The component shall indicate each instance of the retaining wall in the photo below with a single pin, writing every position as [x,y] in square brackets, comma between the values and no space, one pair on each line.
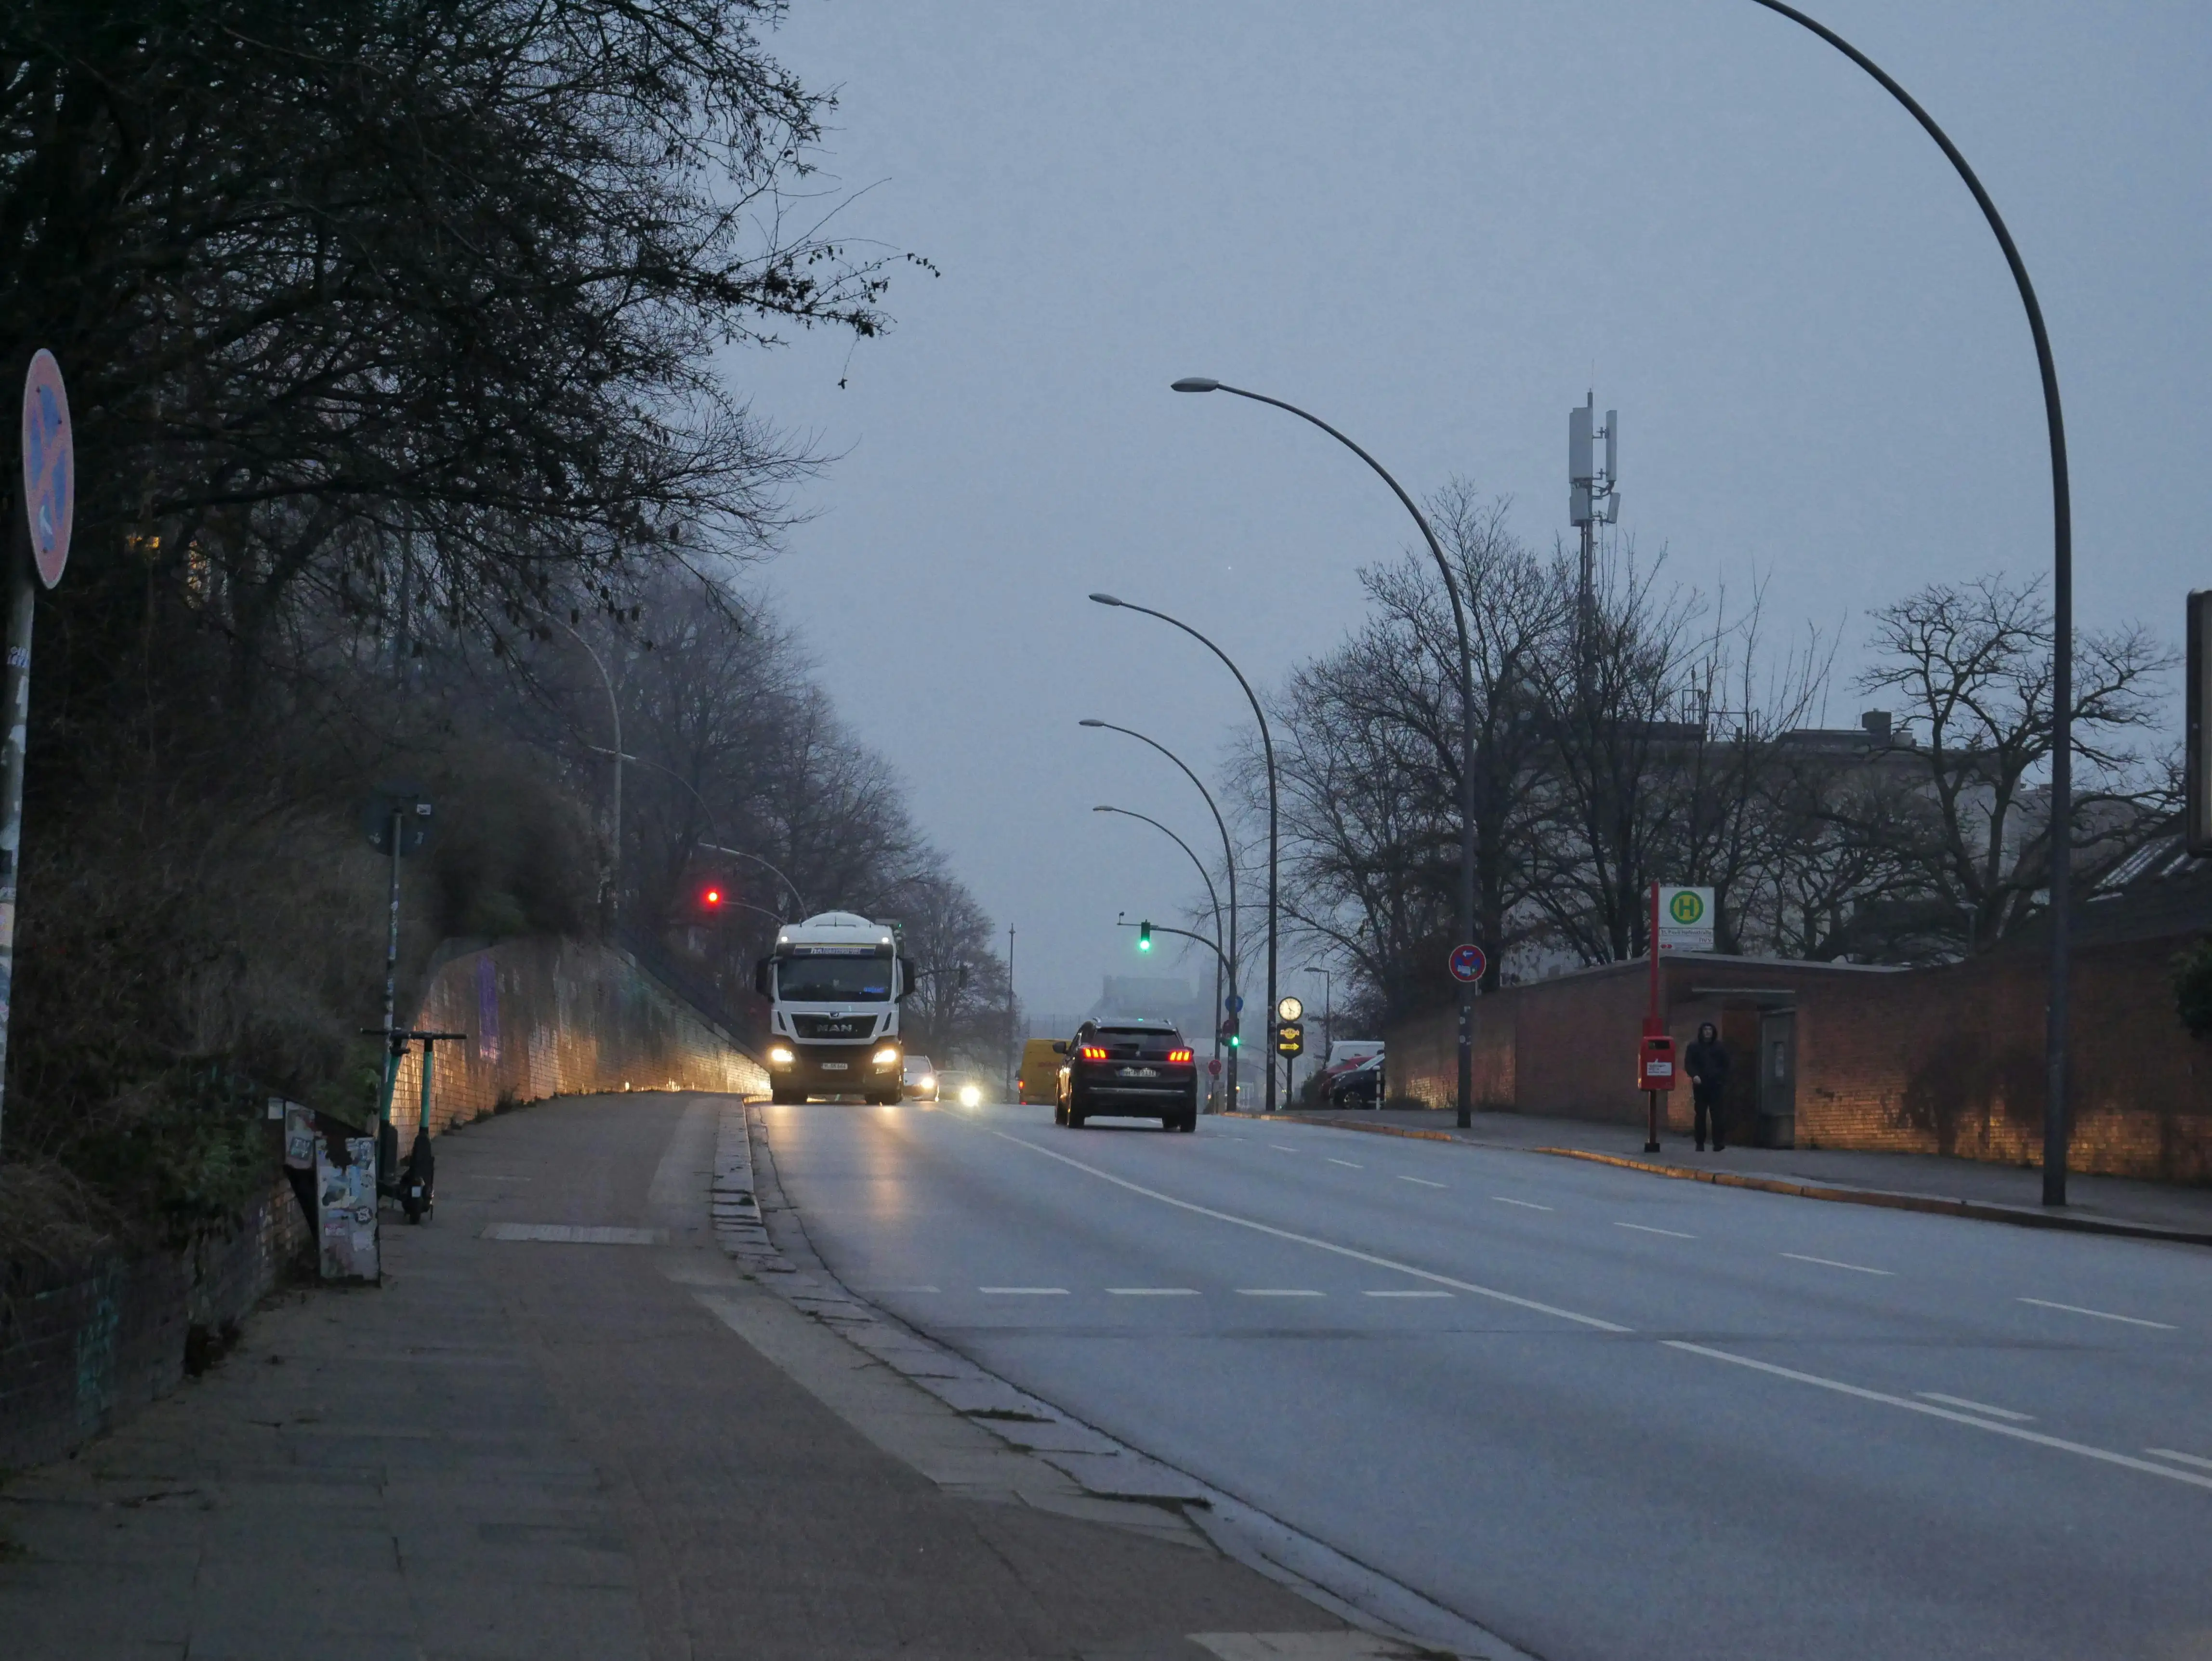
[85,1346]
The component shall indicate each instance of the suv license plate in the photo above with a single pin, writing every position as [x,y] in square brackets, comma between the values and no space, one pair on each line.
[837,1066]
[1140,1073]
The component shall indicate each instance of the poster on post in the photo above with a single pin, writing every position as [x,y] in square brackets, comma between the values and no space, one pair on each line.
[345,1209]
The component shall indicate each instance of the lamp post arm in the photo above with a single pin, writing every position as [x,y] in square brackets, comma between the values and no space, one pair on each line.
[2057,1021]
[1228,848]
[1162,928]
[1211,893]
[739,853]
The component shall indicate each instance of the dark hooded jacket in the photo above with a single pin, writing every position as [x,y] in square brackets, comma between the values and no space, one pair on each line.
[1707,1064]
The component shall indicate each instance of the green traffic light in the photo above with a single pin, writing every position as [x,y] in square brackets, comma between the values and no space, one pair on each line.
[1144,937]
[1236,1041]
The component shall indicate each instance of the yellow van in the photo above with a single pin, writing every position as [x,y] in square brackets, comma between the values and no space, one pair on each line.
[1039,1075]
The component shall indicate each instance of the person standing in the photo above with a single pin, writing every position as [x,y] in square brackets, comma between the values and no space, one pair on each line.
[1707,1064]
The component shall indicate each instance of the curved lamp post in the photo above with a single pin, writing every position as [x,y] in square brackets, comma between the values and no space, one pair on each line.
[2062,618]
[1228,864]
[1267,744]
[614,710]
[1221,959]
[1466,1094]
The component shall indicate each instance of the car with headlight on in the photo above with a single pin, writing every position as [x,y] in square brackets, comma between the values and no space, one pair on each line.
[918,1080]
[965,1088]
[1133,1067]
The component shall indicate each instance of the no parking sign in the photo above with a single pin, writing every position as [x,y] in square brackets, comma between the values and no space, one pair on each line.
[49,465]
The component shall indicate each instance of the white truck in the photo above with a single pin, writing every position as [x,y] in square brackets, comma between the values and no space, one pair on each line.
[834,985]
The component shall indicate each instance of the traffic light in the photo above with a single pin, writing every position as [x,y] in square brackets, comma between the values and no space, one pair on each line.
[1290,1037]
[711,899]
[1144,937]
[1231,1036]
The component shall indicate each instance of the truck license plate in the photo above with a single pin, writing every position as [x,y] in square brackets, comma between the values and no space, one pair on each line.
[837,1066]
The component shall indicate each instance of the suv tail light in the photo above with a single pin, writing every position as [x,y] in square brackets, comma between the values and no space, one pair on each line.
[1179,1055]
[1092,1052]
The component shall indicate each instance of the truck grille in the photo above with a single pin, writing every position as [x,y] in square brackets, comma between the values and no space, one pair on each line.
[832,1026]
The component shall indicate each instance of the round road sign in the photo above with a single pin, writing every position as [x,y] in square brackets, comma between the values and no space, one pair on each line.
[1467,963]
[1213,1067]
[49,467]
[1234,1003]
[1289,1010]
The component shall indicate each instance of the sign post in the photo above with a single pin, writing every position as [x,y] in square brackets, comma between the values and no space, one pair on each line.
[38,538]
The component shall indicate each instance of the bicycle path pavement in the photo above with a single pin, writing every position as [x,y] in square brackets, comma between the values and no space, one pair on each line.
[551,1447]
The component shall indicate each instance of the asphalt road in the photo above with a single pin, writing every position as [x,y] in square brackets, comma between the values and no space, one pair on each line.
[1603,1415]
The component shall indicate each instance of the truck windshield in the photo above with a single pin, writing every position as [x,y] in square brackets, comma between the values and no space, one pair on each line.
[834,980]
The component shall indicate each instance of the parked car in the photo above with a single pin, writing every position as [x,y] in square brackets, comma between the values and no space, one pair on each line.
[1358,1086]
[1128,1068]
[918,1079]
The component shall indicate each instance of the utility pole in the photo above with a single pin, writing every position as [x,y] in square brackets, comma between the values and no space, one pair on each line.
[1014,1066]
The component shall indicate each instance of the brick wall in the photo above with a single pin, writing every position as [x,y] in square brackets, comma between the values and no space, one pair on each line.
[85,1346]
[1936,1061]
[549,1017]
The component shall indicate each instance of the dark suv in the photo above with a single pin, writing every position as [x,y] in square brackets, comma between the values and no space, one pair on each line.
[1134,1068]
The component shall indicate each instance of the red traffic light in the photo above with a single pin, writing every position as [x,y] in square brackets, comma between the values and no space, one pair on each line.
[712,897]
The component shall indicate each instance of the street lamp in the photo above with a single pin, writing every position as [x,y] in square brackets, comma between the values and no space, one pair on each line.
[1205,384]
[1228,862]
[1267,744]
[2055,1021]
[1221,961]
[614,710]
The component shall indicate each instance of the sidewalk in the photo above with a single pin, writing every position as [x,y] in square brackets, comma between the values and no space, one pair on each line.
[1973,1187]
[535,1447]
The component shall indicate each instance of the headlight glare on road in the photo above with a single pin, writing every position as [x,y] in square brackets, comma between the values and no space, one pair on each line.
[780,1055]
[887,1057]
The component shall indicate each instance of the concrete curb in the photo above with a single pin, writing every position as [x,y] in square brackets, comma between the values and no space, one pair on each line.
[1889,1199]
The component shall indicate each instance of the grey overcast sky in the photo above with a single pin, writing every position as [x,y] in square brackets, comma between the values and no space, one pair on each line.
[1436,225]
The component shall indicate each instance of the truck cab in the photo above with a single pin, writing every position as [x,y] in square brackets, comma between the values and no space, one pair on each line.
[834,985]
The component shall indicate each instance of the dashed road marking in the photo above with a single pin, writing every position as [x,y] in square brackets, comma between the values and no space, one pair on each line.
[1151,1292]
[1975,1407]
[1830,1262]
[1279,1148]
[1526,1205]
[2100,1314]
[1278,1291]
[1423,1291]
[1646,1228]
[1423,1181]
[1346,1163]
[2201,1463]
[1024,1292]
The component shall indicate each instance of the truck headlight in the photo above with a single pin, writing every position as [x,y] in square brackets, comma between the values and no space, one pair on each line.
[887,1057]
[780,1055]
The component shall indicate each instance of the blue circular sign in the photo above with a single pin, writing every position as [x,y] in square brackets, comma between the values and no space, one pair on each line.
[49,467]
[1234,1004]
[1467,963]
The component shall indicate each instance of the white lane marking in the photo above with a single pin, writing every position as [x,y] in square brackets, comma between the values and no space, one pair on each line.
[1024,1292]
[2104,1455]
[1423,1181]
[2185,1458]
[1357,1255]
[1279,1148]
[1975,1407]
[1830,1262]
[1151,1292]
[1278,1291]
[1646,1228]
[1526,1205]
[2102,1315]
[1346,1163]
[1419,1292]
